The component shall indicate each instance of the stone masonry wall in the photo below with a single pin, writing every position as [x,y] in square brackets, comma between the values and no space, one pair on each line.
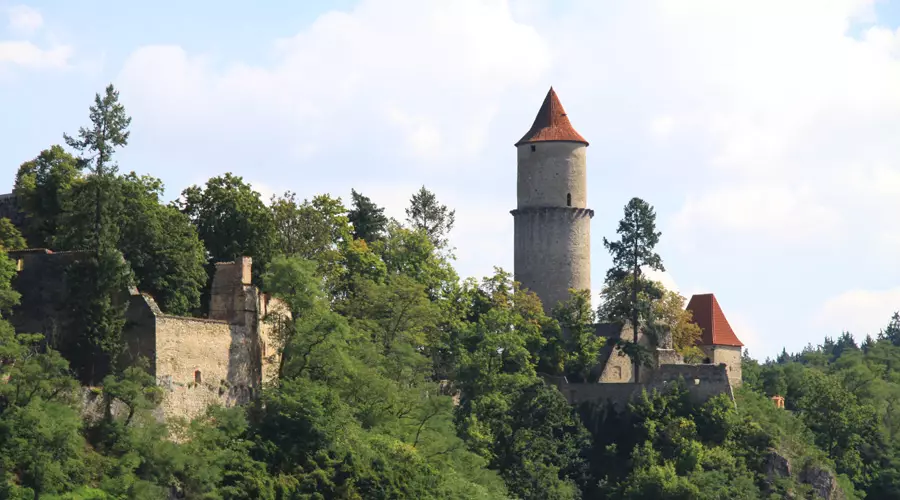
[730,356]
[702,382]
[552,251]
[272,311]
[200,362]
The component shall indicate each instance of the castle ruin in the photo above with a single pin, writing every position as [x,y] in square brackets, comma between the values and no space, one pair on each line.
[223,359]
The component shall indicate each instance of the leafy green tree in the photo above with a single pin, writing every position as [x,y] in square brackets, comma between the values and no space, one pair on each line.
[97,144]
[161,245]
[426,214]
[412,253]
[368,219]
[633,251]
[10,237]
[231,220]
[40,187]
[582,344]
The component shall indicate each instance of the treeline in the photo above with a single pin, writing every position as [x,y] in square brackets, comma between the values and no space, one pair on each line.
[398,379]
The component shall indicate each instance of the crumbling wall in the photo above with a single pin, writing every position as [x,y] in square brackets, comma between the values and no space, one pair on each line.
[201,362]
[43,307]
[272,312]
[231,281]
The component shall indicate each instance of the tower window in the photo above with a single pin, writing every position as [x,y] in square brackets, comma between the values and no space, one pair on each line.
[533,148]
[569,199]
[197,378]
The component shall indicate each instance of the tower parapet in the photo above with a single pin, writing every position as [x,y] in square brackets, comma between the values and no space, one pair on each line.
[552,222]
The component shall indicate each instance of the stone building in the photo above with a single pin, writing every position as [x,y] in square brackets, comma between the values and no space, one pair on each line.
[552,255]
[222,359]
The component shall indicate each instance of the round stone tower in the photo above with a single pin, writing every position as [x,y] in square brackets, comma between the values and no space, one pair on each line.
[552,222]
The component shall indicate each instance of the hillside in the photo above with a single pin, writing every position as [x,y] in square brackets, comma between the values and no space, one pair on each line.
[397,379]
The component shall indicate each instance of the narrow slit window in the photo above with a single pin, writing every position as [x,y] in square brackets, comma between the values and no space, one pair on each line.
[569,200]
[533,148]
[197,378]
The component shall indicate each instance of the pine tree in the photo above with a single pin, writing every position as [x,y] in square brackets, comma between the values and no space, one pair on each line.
[97,144]
[634,250]
[425,213]
[368,219]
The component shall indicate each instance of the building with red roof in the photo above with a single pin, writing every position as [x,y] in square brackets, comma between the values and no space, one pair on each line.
[718,341]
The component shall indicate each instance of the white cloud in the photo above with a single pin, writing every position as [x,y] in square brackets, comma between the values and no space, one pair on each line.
[860,312]
[663,277]
[24,20]
[662,126]
[29,55]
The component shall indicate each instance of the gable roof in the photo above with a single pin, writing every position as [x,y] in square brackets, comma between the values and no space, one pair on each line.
[551,124]
[709,317]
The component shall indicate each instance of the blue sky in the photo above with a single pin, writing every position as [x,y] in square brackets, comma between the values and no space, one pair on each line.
[764,132]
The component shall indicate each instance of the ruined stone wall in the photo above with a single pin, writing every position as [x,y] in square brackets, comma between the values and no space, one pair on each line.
[41,279]
[614,366]
[272,313]
[9,209]
[702,382]
[200,362]
[139,332]
[730,356]
[227,301]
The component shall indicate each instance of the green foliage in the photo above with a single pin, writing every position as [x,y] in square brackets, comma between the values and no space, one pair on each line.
[231,220]
[41,186]
[161,246]
[10,237]
[582,345]
[368,219]
[97,144]
[426,214]
[97,288]
[396,379]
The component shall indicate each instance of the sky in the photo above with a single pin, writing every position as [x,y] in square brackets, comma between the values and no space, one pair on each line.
[766,133]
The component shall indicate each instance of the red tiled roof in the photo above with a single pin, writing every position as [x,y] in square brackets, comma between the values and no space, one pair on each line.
[551,124]
[710,318]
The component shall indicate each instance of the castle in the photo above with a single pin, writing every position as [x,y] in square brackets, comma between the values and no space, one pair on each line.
[552,254]
[224,359]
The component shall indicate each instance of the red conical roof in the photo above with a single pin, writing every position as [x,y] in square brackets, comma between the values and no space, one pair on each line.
[710,318]
[551,124]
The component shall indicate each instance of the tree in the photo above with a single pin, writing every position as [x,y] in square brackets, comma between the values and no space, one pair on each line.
[97,144]
[10,237]
[231,220]
[41,187]
[582,344]
[97,288]
[673,321]
[426,214]
[634,250]
[315,230]
[161,245]
[368,219]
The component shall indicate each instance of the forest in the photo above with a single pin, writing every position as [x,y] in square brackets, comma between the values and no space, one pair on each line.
[381,326]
